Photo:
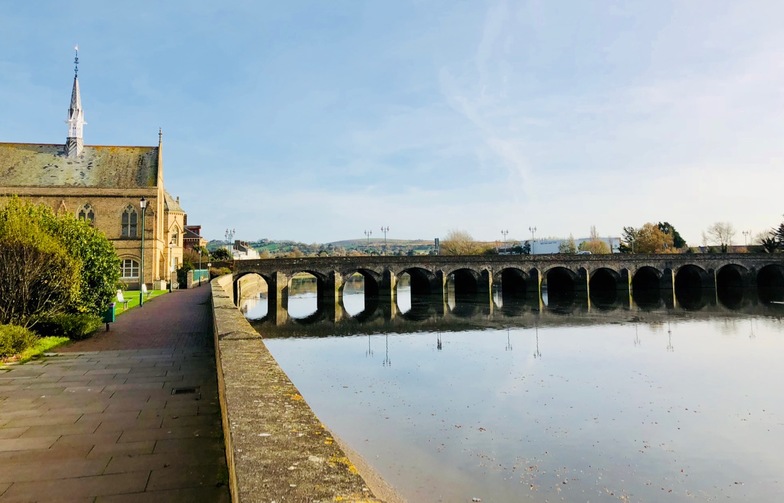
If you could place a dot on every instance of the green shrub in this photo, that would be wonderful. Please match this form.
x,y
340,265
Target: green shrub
x,y
73,326
14,339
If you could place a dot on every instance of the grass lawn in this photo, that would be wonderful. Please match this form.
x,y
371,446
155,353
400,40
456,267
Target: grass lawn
x,y
132,296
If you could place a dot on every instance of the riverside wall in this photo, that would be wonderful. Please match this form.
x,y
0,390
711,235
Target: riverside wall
x,y
276,447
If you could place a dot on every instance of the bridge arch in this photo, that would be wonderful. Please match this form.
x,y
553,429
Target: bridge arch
x,y
515,282
770,283
561,283
604,284
690,277
732,276
732,280
466,281
422,281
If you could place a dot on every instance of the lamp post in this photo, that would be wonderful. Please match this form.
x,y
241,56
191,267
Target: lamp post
x,y
229,238
171,263
200,273
533,238
385,230
143,205
504,233
367,235
746,237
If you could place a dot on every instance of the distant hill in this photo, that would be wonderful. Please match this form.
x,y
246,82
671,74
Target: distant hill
x,y
268,247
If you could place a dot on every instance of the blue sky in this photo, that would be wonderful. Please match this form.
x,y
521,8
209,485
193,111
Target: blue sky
x,y
315,121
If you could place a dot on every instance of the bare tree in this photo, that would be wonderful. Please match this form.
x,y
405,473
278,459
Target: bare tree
x,y
721,234
459,242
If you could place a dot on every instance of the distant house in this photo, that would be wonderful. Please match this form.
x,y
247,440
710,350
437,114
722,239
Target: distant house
x,y
103,184
242,250
192,238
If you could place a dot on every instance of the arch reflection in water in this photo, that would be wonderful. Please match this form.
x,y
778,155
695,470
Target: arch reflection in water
x,y
463,312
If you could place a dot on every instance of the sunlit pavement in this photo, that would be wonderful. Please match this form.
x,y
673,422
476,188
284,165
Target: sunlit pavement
x,y
129,415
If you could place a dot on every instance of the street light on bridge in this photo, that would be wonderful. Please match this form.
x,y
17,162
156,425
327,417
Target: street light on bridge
x,y
385,230
533,238
367,236
504,233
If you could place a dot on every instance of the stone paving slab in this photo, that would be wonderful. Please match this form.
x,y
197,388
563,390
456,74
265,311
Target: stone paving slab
x,y
102,419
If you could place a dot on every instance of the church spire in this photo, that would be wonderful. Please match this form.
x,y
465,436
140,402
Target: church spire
x,y
75,142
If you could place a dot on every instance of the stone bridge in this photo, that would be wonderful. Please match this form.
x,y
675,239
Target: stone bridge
x,y
516,276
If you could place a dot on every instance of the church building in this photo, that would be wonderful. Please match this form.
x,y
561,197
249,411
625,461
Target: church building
x,y
118,189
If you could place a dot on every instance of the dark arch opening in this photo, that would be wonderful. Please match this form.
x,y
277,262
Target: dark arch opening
x,y
465,282
691,283
731,285
514,284
690,277
770,283
604,285
560,283
646,287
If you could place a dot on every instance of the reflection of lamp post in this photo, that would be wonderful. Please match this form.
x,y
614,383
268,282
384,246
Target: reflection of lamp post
x,y
385,230
387,362
143,205
537,353
533,238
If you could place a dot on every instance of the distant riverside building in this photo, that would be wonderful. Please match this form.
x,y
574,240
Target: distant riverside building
x,y
192,238
103,184
543,246
242,250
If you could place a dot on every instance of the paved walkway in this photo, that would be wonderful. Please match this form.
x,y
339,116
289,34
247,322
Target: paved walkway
x,y
129,415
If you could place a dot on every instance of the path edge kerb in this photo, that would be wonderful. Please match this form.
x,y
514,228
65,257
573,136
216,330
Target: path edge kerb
x,y
275,445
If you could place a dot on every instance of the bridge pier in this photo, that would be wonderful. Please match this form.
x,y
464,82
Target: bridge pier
x,y
277,301
387,294
328,296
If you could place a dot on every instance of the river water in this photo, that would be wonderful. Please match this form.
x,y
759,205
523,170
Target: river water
x,y
544,404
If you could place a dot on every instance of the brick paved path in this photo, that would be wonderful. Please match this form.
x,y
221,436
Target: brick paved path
x,y
129,415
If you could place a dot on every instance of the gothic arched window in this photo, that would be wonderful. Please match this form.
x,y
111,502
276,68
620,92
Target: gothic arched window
x,y
129,220
87,213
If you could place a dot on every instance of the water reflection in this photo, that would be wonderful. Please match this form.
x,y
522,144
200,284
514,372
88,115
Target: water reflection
x,y
637,398
432,313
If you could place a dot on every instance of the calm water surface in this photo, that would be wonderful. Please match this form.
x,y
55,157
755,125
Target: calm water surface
x,y
634,406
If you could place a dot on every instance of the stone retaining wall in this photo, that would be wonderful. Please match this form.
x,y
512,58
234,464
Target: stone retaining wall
x,y
276,448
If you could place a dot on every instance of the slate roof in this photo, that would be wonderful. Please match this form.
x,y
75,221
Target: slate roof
x,y
172,204
45,165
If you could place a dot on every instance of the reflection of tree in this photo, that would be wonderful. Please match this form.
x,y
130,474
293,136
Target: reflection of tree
x,y
508,340
439,345
369,352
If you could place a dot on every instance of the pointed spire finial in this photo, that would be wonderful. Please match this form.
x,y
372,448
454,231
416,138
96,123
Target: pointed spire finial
x,y
76,60
160,135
